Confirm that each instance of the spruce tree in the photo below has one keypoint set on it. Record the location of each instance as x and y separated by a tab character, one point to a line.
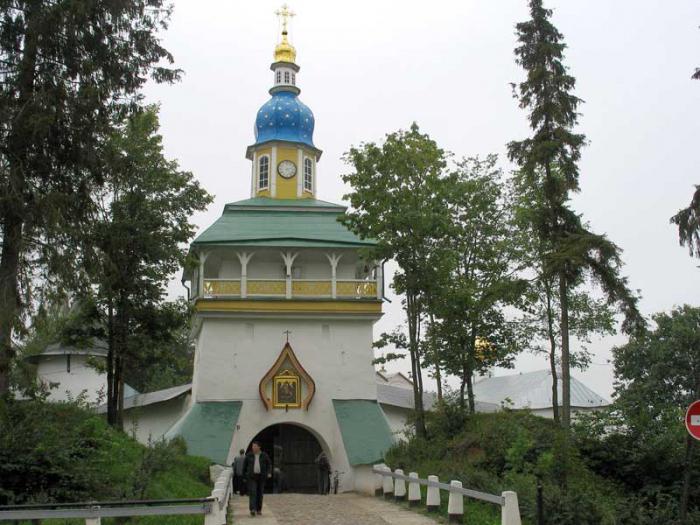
548	162
688	222
66	68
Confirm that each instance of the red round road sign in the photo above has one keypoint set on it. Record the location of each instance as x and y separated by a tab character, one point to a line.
692	419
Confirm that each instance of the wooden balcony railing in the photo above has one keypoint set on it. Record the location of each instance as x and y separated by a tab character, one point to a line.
292	288
356	288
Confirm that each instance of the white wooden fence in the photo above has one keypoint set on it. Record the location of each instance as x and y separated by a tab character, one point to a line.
393	485
213	508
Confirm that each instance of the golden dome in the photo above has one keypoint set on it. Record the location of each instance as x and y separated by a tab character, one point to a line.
284	51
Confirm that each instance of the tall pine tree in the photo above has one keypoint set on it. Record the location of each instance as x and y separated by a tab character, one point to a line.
548	162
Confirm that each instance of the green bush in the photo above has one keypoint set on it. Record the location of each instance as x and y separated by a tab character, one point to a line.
62	452
509	451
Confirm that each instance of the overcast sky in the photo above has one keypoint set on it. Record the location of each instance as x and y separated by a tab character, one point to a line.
372	67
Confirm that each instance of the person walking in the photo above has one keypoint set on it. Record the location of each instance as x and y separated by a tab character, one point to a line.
238	483
257	469
324	473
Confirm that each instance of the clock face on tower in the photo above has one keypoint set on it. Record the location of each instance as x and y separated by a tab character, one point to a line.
287	169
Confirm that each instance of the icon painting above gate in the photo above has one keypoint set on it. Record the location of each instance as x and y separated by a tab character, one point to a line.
287	385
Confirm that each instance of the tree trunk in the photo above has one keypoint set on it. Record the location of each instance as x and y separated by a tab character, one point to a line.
111	406
412	315
122	324
9	295
471	358
470	393
13	211
436	363
565	361
463	386
687	470
120	400
118	382
438	381
552	354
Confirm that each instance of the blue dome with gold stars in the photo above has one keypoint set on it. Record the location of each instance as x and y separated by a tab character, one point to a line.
285	117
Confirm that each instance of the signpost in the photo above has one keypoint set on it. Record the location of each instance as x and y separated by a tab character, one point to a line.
692	419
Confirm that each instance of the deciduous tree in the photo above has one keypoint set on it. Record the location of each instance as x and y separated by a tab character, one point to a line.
481	278
397	198
135	242
657	377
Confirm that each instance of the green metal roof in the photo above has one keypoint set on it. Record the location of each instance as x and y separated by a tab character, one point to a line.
281	222
366	433
207	428
284	203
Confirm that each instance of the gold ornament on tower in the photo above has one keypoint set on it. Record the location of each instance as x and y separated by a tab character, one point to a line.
284	51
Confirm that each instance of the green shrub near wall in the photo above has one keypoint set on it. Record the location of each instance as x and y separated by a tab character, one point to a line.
63	452
508	451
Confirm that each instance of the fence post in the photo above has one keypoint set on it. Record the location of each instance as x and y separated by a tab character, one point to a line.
93	521
378	480
455	504
432	499
388	484
216	515
413	490
399	486
510	513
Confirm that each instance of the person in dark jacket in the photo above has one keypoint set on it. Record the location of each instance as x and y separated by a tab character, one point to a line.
324	473
257	468
238	483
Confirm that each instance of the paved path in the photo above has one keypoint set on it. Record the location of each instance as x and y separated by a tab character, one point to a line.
308	509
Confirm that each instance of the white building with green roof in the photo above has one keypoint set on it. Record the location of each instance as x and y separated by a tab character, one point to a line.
285	306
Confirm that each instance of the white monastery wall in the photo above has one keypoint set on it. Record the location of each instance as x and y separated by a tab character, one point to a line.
314	270
82	377
266	270
233	355
151	422
396	417
230	269
345	271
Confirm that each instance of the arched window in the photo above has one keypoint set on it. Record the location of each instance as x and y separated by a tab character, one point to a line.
278	77
294	79
286	77
263	172
308	175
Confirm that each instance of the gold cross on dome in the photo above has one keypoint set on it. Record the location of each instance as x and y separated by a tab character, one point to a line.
285	14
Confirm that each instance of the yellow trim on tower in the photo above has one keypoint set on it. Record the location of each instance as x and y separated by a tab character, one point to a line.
290	306
287	188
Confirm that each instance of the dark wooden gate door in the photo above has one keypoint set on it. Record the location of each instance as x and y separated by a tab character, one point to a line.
293	451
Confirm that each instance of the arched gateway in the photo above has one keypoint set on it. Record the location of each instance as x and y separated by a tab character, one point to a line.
293	451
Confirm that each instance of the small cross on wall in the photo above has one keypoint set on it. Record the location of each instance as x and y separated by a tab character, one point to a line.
287	332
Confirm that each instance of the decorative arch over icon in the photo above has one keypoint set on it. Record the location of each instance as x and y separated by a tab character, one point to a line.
287	385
